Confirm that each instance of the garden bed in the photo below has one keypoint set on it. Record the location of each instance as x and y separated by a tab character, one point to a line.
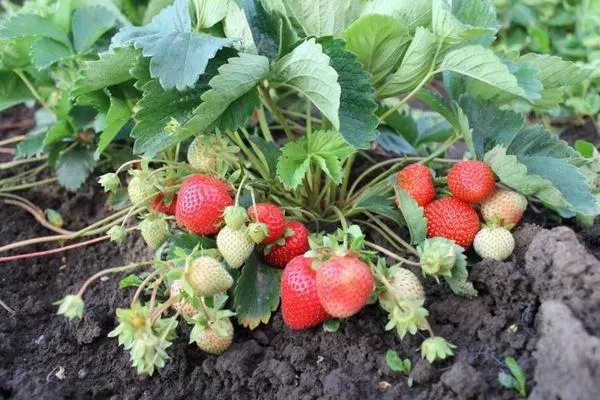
542	307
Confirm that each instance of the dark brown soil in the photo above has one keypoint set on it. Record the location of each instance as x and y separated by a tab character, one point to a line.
541	307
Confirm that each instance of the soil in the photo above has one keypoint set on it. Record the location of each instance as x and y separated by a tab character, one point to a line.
542	307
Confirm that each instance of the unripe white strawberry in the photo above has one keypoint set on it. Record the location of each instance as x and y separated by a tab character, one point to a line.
208	276
407	286
216	337
139	192
155	231
235	246
184	307
201	155
504	208
494	243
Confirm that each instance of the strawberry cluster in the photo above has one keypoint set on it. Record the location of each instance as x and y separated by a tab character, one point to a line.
472	185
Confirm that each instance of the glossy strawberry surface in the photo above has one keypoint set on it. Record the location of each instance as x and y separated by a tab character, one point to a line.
344	285
300	304
270	215
416	180
452	219
295	245
471	181
200	204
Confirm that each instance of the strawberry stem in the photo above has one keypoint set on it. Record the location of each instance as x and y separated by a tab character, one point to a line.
28	185
386	228
391	254
140	288
107	271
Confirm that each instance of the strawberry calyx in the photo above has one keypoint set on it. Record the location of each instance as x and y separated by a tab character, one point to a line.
235	217
257	231
436	348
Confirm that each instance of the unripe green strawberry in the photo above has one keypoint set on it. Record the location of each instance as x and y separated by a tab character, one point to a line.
437	256
407	286
201	155
235	217
504	207
235	246
155	231
208	276
257	231
139	192
495	243
182	306
216	337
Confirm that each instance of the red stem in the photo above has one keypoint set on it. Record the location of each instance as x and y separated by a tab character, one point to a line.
58	250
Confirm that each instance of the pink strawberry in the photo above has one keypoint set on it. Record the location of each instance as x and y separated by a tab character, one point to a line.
344	285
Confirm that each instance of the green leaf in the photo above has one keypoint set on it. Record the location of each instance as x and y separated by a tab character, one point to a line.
32	145
555	72
449	29
274	31
116	118
12	90
110	5
379	42
62	16
178	56
322	17
358	121
378	200
58	132
516	371
307	70
395	363
483	66
489	124
553	180
411	14
256	293
21	25
235	26
324	148
89	24
269	151
416	65
210	12
130	281
232	97
413	215
156	108
110	69
507	380
46	52
74	167
154	8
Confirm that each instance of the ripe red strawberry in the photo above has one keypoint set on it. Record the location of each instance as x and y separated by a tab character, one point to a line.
159	205
453	219
344	285
295	244
270	215
300	304
471	181
200	204
416	180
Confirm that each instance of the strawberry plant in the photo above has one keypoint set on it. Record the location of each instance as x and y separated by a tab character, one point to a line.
568	29
258	171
